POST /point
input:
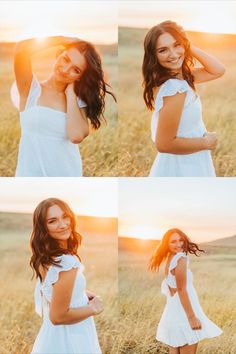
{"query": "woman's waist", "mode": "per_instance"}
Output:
(42, 134)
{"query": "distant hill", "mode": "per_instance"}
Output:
(86, 224)
(129, 244)
(205, 40)
(222, 242)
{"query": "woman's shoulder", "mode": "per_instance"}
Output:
(67, 260)
(175, 84)
(175, 259)
(170, 87)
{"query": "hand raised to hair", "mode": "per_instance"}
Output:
(69, 40)
(70, 89)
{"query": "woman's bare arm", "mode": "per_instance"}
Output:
(60, 313)
(180, 276)
(211, 68)
(77, 123)
(168, 122)
(22, 58)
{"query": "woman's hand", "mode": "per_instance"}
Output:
(90, 294)
(211, 140)
(96, 305)
(70, 90)
(195, 323)
(211, 68)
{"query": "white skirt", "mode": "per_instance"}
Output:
(174, 328)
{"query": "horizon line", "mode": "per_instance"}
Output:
(187, 30)
(156, 239)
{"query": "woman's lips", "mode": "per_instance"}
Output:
(174, 61)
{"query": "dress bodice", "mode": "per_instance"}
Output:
(170, 280)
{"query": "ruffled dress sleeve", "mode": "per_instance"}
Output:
(67, 262)
(170, 88)
(176, 258)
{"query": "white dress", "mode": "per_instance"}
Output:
(45, 150)
(174, 328)
(79, 338)
(191, 125)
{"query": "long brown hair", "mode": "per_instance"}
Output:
(154, 74)
(91, 87)
(162, 250)
(44, 247)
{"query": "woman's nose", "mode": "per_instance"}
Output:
(65, 68)
(173, 53)
(62, 224)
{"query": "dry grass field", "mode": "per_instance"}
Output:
(99, 150)
(136, 150)
(18, 321)
(141, 303)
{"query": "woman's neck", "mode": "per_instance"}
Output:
(54, 84)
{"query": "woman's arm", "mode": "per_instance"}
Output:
(77, 123)
(22, 58)
(166, 139)
(180, 276)
(60, 313)
(211, 68)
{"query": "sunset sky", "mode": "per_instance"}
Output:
(203, 208)
(91, 20)
(86, 196)
(203, 16)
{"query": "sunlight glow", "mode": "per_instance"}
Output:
(143, 232)
(202, 16)
(203, 208)
(91, 198)
(95, 21)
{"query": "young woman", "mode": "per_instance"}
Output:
(55, 113)
(60, 294)
(169, 83)
(183, 323)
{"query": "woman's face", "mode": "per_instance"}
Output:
(69, 66)
(170, 52)
(176, 243)
(58, 224)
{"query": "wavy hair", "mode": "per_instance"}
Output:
(162, 250)
(91, 87)
(154, 74)
(44, 247)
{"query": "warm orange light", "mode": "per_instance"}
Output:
(143, 232)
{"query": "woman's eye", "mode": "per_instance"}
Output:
(162, 51)
(51, 221)
(77, 71)
(65, 59)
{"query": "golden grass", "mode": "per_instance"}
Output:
(18, 321)
(136, 150)
(141, 303)
(99, 150)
